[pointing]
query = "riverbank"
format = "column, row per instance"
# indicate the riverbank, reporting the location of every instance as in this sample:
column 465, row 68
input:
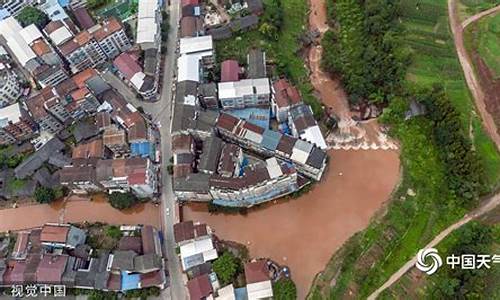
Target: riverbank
column 303, row 233
column 76, row 210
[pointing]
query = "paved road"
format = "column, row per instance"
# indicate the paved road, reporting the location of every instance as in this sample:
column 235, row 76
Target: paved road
column 161, row 112
column 478, row 94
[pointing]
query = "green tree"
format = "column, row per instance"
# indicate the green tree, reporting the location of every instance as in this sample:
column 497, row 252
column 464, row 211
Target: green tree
column 113, row 232
column 44, row 194
column 226, row 267
column 284, row 289
column 32, row 15
column 122, row 200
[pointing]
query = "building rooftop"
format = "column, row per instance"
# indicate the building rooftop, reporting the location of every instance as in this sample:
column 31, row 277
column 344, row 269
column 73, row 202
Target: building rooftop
column 195, row 182
column 51, row 268
column 256, row 271
column 83, row 18
column 209, row 158
column 285, row 94
column 199, row 287
column 91, row 149
column 127, row 65
column 256, row 61
column 107, row 28
column 54, row 233
column 230, row 71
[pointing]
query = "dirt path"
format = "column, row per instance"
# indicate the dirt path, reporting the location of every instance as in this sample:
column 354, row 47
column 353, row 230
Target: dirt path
column 479, row 97
column 303, row 233
column 457, row 29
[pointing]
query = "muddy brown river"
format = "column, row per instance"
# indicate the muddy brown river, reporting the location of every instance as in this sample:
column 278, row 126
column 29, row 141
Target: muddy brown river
column 304, row 233
column 76, row 210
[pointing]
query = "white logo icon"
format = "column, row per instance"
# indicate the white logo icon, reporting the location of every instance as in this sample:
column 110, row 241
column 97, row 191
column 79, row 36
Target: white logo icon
column 428, row 254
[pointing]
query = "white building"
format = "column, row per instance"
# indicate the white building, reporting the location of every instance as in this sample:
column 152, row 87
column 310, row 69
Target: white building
column 148, row 24
column 196, row 45
column 244, row 93
column 197, row 252
column 304, row 126
column 10, row 29
column 10, row 89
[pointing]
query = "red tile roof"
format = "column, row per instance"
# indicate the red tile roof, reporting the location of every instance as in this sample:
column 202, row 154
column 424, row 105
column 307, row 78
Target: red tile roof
column 256, row 271
column 14, row 273
column 183, row 231
column 285, row 94
column 199, row 287
column 51, row 268
column 92, row 149
column 107, row 28
column 21, row 243
column 148, row 241
column 83, row 76
column 189, row 2
column 83, row 18
column 230, row 71
column 151, row 279
column 54, row 233
column 127, row 65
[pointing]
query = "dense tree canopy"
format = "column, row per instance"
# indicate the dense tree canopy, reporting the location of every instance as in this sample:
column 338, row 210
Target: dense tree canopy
column 32, row 15
column 44, row 195
column 365, row 50
column 226, row 267
column 284, row 289
column 122, row 200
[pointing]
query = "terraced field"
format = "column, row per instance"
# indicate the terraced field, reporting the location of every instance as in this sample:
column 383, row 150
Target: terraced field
column 435, row 61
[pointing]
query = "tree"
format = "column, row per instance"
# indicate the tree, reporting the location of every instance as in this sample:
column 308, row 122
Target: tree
column 32, row 15
column 122, row 200
column 113, row 232
column 226, row 267
column 284, row 289
column 44, row 194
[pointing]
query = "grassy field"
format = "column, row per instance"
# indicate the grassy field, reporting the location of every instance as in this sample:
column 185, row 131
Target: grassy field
column 435, row 61
column 471, row 7
column 284, row 53
column 486, row 40
column 372, row 256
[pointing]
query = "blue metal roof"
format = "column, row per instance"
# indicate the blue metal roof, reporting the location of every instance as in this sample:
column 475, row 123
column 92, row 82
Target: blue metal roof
column 270, row 139
column 130, row 281
column 142, row 149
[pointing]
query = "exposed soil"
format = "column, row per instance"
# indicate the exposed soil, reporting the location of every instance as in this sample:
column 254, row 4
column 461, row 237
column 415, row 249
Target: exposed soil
column 303, row 233
column 75, row 210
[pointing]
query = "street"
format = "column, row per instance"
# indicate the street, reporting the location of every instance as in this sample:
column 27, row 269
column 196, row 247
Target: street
column 161, row 112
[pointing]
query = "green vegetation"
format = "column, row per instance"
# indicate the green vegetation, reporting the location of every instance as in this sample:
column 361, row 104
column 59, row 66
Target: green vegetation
column 226, row 267
column 486, row 41
column 96, row 4
column 283, row 52
column 32, row 15
column 284, row 289
column 45, row 195
column 272, row 20
column 472, row 7
column 476, row 237
column 443, row 175
column 15, row 184
column 364, row 49
column 122, row 200
column 113, row 232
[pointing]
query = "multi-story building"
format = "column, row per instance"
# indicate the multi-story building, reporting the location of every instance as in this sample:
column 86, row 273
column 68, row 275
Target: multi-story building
column 15, row 124
column 81, row 178
column 115, row 139
column 257, row 185
column 135, row 174
column 307, row 158
column 283, row 98
column 14, row 6
column 10, row 88
column 148, row 24
column 244, row 93
column 303, row 125
column 82, row 52
column 57, row 109
column 11, row 30
column 36, row 107
column 111, row 37
column 48, row 75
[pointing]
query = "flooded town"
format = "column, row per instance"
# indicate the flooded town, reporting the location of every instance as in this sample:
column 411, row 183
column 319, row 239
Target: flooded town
column 249, row 149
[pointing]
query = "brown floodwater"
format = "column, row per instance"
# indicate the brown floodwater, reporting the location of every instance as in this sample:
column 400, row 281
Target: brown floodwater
column 77, row 209
column 304, row 233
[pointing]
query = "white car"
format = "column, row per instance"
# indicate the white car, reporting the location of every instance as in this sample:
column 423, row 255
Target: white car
column 168, row 211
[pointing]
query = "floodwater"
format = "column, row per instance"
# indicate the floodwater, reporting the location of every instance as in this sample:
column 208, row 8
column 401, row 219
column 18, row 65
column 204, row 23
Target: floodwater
column 74, row 210
column 304, row 233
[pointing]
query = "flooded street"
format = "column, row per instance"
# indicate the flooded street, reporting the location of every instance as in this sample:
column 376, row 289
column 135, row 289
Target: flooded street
column 304, row 233
column 76, row 210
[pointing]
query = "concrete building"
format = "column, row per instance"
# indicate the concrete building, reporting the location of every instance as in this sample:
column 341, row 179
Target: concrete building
column 10, row 29
column 257, row 185
column 14, row 6
column 83, row 52
column 307, row 158
column 148, row 24
column 10, row 88
column 36, row 107
column 244, row 93
column 111, row 37
column 284, row 96
column 80, row 179
column 303, row 125
column 15, row 124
